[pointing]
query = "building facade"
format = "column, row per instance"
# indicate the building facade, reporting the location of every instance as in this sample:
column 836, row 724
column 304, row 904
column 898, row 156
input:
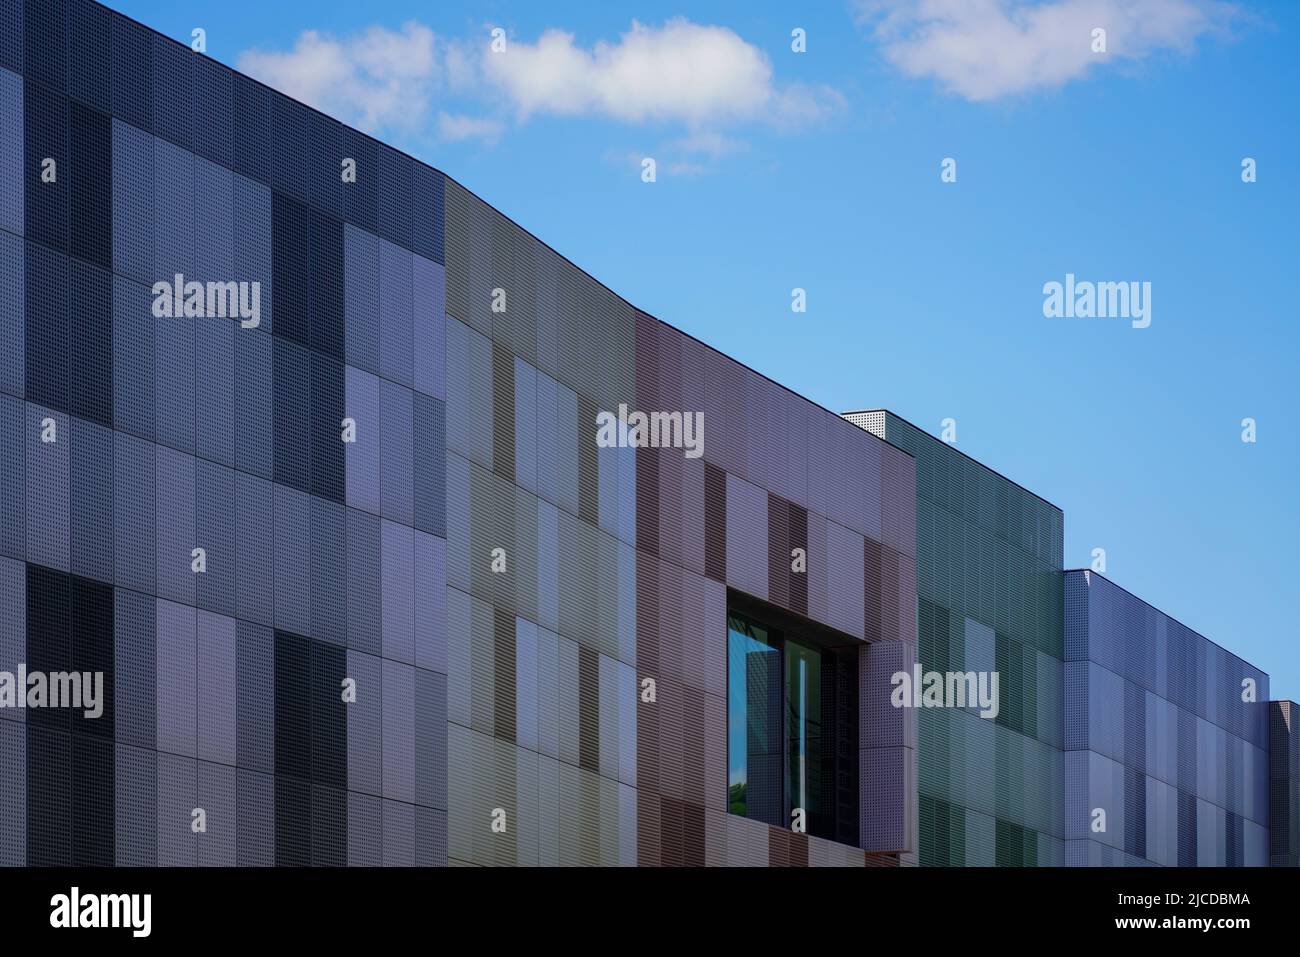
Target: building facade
column 396, row 539
column 1166, row 736
column 1283, row 774
column 989, row 559
column 363, row 582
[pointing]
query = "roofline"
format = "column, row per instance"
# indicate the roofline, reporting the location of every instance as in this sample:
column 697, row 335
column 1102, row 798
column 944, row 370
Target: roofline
column 960, row 452
column 1179, row 622
column 528, row 232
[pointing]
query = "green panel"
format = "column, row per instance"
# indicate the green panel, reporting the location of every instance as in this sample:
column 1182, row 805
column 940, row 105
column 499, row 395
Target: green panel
column 989, row 558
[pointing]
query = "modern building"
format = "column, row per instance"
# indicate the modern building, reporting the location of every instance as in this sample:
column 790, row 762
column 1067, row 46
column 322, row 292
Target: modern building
column 395, row 538
column 363, row 584
column 989, row 557
column 1166, row 737
column 1283, row 773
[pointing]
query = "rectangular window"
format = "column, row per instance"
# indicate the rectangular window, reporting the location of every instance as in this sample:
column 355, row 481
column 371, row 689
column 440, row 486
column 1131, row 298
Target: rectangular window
column 791, row 723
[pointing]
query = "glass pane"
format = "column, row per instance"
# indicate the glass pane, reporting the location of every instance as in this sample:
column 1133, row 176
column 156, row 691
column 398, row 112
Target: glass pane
column 803, row 684
column 754, row 740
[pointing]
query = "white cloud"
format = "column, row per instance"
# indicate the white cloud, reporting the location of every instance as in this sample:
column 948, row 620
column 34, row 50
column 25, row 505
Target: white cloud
column 454, row 127
column 408, row 81
column 986, row 49
column 681, row 72
column 376, row 78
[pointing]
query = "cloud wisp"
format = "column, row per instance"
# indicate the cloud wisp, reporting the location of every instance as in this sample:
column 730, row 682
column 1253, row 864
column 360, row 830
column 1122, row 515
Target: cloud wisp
column 988, row 49
column 700, row 82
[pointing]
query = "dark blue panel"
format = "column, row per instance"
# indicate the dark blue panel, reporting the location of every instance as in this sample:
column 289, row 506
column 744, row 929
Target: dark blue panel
column 427, row 189
column 291, row 415
column 325, row 164
column 210, row 122
column 92, row 804
column 132, row 73
column 327, row 393
column 46, row 34
column 90, row 343
column 250, row 108
column 255, row 402
column 92, row 651
column 394, row 194
column 214, row 519
column 329, row 826
column 90, row 182
column 133, row 359
column 329, row 586
column 293, row 695
column 45, row 135
column 11, row 35
column 288, row 135
column 171, row 91
column 430, row 465
column 89, row 28
column 292, row 820
column 360, row 199
column 363, row 582
column 49, row 636
column 1187, row 842
column 329, row 719
column 49, row 792
column 91, row 501
column 289, row 269
column 47, row 327
column 13, row 478
column 326, row 269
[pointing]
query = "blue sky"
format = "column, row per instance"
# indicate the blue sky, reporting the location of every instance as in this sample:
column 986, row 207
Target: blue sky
column 821, row 170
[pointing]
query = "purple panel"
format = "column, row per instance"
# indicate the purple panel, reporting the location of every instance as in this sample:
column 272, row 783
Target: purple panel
column 399, row 731
column 255, row 795
column 797, row 448
column 216, row 691
column 395, row 314
column 361, row 458
column 429, row 291
column 713, row 627
column 216, row 794
column 177, row 678
column 887, row 785
column 365, row 830
column 818, row 569
column 526, row 680
column 431, row 602
column 177, row 796
column 292, row 560
column 746, row 537
column 397, row 478
column 399, row 834
column 397, row 590
column 526, row 434
column 47, row 489
column 174, row 502
column 365, row 725
column 691, row 501
column 844, row 556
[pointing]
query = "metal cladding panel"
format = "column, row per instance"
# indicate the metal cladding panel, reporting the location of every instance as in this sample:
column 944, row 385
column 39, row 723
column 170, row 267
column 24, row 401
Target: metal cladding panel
column 1176, row 756
column 499, row 608
column 987, row 573
column 1284, row 784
